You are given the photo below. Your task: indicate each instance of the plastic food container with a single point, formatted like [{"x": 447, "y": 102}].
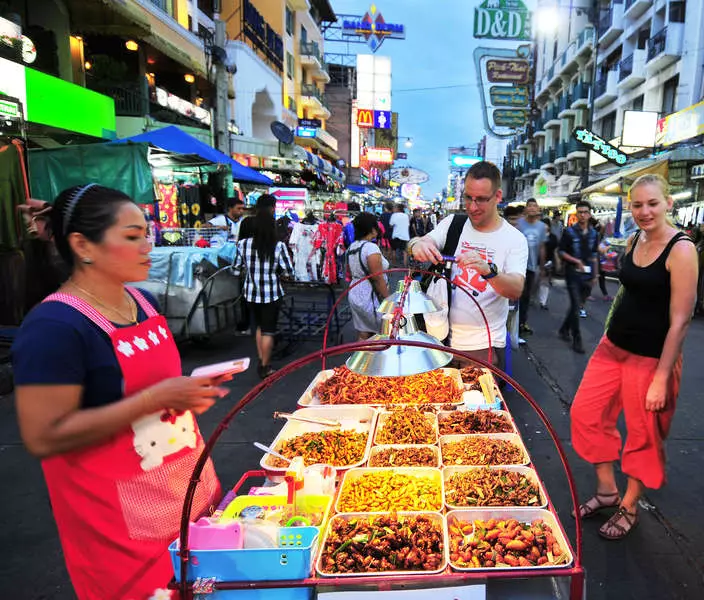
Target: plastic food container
[
  {"x": 434, "y": 475},
  {"x": 309, "y": 398},
  {"x": 364, "y": 415},
  {"x": 378, "y": 450},
  {"x": 506, "y": 414},
  {"x": 511, "y": 437},
  {"x": 436, "y": 517},
  {"x": 530, "y": 473},
  {"x": 524, "y": 515},
  {"x": 315, "y": 508},
  {"x": 384, "y": 417}
]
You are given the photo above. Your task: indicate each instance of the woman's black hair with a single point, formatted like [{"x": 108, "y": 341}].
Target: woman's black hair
[
  {"x": 364, "y": 223},
  {"x": 264, "y": 234},
  {"x": 86, "y": 209}
]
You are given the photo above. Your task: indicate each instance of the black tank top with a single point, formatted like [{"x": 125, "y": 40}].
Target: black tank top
[{"x": 642, "y": 319}]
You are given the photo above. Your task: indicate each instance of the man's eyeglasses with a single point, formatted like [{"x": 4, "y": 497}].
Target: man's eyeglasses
[
  {"x": 478, "y": 200},
  {"x": 583, "y": 212}
]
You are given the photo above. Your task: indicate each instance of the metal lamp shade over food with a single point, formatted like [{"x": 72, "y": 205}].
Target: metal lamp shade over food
[
  {"x": 417, "y": 302},
  {"x": 399, "y": 361}
]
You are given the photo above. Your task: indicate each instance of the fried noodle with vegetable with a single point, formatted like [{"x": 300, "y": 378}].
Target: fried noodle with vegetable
[
  {"x": 480, "y": 451},
  {"x": 346, "y": 387},
  {"x": 407, "y": 425},
  {"x": 491, "y": 487},
  {"x": 405, "y": 457},
  {"x": 385, "y": 543},
  {"x": 504, "y": 544},
  {"x": 336, "y": 448}
]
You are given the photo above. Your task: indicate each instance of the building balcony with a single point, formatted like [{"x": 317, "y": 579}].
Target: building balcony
[
  {"x": 664, "y": 48},
  {"x": 314, "y": 100},
  {"x": 564, "y": 108},
  {"x": 312, "y": 60},
  {"x": 551, "y": 117},
  {"x": 580, "y": 95},
  {"x": 575, "y": 150},
  {"x": 611, "y": 24},
  {"x": 606, "y": 89},
  {"x": 161, "y": 4},
  {"x": 548, "y": 158},
  {"x": 535, "y": 165},
  {"x": 561, "y": 153},
  {"x": 585, "y": 41},
  {"x": 631, "y": 70},
  {"x": 635, "y": 8},
  {"x": 538, "y": 126}
]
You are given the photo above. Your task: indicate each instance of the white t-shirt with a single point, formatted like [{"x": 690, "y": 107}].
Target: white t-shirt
[
  {"x": 400, "y": 223},
  {"x": 507, "y": 248},
  {"x": 223, "y": 221}
]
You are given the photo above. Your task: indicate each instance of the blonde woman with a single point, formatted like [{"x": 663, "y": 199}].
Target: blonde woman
[{"x": 636, "y": 367}]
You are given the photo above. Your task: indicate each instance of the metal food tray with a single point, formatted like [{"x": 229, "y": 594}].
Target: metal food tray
[
  {"x": 511, "y": 437},
  {"x": 384, "y": 416},
  {"x": 365, "y": 415},
  {"x": 505, "y": 413},
  {"x": 527, "y": 471},
  {"x": 523, "y": 515},
  {"x": 358, "y": 473},
  {"x": 435, "y": 516},
  {"x": 379, "y": 449},
  {"x": 310, "y": 399}
]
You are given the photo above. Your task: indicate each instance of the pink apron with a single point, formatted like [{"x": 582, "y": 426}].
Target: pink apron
[{"x": 118, "y": 505}]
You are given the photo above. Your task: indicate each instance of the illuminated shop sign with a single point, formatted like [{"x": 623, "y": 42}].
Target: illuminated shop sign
[
  {"x": 373, "y": 28},
  {"x": 380, "y": 155},
  {"x": 365, "y": 118},
  {"x": 306, "y": 132},
  {"x": 182, "y": 107},
  {"x": 599, "y": 145}
]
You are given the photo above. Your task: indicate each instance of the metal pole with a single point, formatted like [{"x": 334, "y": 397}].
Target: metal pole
[
  {"x": 222, "y": 136},
  {"x": 594, "y": 18}
]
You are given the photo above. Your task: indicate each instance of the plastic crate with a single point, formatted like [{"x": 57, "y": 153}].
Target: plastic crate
[{"x": 293, "y": 559}]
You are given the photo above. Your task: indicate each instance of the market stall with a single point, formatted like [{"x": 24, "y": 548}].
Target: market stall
[{"x": 395, "y": 471}]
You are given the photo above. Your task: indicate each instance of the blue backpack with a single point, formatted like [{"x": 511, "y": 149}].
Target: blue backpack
[{"x": 348, "y": 234}]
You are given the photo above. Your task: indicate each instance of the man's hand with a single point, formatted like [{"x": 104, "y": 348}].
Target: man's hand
[
  {"x": 426, "y": 251},
  {"x": 579, "y": 265},
  {"x": 475, "y": 261}
]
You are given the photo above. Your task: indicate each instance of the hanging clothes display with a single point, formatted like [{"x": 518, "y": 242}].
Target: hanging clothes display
[
  {"x": 306, "y": 257},
  {"x": 167, "y": 197},
  {"x": 13, "y": 192},
  {"x": 329, "y": 238},
  {"x": 189, "y": 206}
]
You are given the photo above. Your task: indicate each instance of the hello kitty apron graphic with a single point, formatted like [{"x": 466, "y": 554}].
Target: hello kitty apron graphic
[
  {"x": 466, "y": 276},
  {"x": 131, "y": 487}
]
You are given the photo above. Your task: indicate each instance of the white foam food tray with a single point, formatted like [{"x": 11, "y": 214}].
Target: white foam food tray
[
  {"x": 523, "y": 515},
  {"x": 309, "y": 398},
  {"x": 384, "y": 417},
  {"x": 377, "y": 450},
  {"x": 435, "y": 475},
  {"x": 436, "y": 517},
  {"x": 514, "y": 438},
  {"x": 530, "y": 473},
  {"x": 504, "y": 413},
  {"x": 360, "y": 418}
]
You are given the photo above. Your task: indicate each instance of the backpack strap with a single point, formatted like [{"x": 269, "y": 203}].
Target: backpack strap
[{"x": 453, "y": 234}]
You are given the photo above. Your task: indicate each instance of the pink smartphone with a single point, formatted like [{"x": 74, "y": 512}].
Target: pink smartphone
[{"x": 229, "y": 367}]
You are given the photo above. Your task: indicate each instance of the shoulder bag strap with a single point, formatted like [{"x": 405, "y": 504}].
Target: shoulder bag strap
[{"x": 450, "y": 247}]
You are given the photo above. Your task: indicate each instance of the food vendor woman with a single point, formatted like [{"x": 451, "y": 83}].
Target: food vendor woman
[{"x": 101, "y": 400}]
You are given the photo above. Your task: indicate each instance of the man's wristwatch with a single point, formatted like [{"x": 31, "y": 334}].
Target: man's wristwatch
[{"x": 493, "y": 271}]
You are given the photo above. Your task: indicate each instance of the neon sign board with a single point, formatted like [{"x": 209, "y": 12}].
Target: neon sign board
[
  {"x": 380, "y": 155},
  {"x": 373, "y": 28},
  {"x": 599, "y": 145}
]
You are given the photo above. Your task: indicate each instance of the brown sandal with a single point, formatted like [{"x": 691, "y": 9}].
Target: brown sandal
[
  {"x": 617, "y": 522},
  {"x": 594, "y": 505}
]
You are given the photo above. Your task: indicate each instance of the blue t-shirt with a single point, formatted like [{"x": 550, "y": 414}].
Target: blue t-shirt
[{"x": 57, "y": 345}]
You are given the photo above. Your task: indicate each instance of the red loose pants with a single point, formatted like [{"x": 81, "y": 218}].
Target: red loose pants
[{"x": 617, "y": 380}]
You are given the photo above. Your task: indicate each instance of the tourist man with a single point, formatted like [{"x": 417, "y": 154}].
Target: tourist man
[{"x": 536, "y": 234}]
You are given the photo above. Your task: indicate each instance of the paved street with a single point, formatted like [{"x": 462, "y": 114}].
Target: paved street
[{"x": 662, "y": 559}]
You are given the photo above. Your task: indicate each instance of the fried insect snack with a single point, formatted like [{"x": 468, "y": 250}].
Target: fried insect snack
[
  {"x": 491, "y": 487},
  {"x": 407, "y": 425},
  {"x": 504, "y": 543},
  {"x": 480, "y": 451},
  {"x": 336, "y": 448},
  {"x": 474, "y": 421},
  {"x": 384, "y": 491},
  {"x": 346, "y": 387},
  {"x": 405, "y": 457},
  {"x": 470, "y": 377},
  {"x": 383, "y": 543}
]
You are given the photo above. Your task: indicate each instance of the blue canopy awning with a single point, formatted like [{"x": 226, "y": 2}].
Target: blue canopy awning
[{"x": 178, "y": 141}]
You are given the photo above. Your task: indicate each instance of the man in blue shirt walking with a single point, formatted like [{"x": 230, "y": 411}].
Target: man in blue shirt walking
[{"x": 578, "y": 249}]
